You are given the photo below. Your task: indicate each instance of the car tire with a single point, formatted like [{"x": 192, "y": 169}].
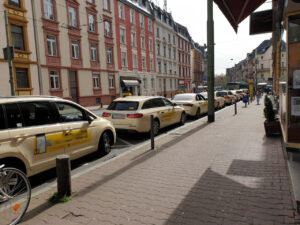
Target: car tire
[
  {"x": 182, "y": 118},
  {"x": 105, "y": 143},
  {"x": 198, "y": 113}
]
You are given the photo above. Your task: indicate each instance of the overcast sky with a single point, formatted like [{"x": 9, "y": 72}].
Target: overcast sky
[{"x": 229, "y": 45}]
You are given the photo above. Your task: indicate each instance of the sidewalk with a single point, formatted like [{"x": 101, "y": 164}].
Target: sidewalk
[{"x": 226, "y": 172}]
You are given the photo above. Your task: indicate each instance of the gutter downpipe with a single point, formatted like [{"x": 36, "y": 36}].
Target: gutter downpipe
[{"x": 37, "y": 49}]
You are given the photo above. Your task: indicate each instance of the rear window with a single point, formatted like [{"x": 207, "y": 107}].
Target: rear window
[
  {"x": 123, "y": 106},
  {"x": 2, "y": 123},
  {"x": 183, "y": 97},
  {"x": 221, "y": 94}
]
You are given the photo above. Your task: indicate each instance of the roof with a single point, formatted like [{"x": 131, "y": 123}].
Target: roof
[
  {"x": 10, "y": 99},
  {"x": 183, "y": 31},
  {"x": 136, "y": 98},
  {"x": 264, "y": 46}
]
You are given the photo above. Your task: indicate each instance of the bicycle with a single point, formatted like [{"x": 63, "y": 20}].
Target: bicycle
[{"x": 15, "y": 194}]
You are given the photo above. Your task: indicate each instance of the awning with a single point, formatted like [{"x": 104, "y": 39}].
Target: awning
[
  {"x": 130, "y": 83},
  {"x": 237, "y": 10}
]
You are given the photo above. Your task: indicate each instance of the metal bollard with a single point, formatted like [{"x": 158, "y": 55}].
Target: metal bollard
[
  {"x": 152, "y": 131},
  {"x": 235, "y": 109},
  {"x": 63, "y": 173}
]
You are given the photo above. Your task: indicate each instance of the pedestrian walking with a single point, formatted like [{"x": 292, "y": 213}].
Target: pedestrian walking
[{"x": 258, "y": 95}]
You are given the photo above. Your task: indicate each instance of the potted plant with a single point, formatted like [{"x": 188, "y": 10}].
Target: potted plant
[{"x": 272, "y": 125}]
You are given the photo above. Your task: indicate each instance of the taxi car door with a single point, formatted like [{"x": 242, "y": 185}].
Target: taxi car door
[
  {"x": 78, "y": 136},
  {"x": 4, "y": 134},
  {"x": 160, "y": 109},
  {"x": 28, "y": 127},
  {"x": 171, "y": 115},
  {"x": 204, "y": 104}
]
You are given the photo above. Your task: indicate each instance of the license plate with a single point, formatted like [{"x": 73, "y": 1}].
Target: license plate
[{"x": 118, "y": 116}]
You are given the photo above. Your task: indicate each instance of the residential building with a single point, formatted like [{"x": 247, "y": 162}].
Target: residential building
[
  {"x": 166, "y": 52},
  {"x": 184, "y": 58},
  {"x": 197, "y": 65},
  {"x": 135, "y": 46},
  {"x": 263, "y": 62},
  {"x": 21, "y": 35},
  {"x": 71, "y": 35}
]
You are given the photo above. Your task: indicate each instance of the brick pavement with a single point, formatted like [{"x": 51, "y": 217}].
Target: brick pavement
[{"x": 226, "y": 172}]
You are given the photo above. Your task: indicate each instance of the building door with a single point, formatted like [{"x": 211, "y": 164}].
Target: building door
[{"x": 73, "y": 86}]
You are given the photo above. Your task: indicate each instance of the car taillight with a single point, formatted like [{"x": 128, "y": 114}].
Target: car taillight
[
  {"x": 226, "y": 96},
  {"x": 135, "y": 115},
  {"x": 189, "y": 105},
  {"x": 106, "y": 114}
]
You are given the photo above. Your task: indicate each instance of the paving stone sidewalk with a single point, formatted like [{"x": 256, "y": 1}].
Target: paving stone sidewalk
[{"x": 226, "y": 172}]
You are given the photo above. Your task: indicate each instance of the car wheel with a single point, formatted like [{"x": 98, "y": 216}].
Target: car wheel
[
  {"x": 105, "y": 143},
  {"x": 198, "y": 113},
  {"x": 182, "y": 118},
  {"x": 156, "y": 127}
]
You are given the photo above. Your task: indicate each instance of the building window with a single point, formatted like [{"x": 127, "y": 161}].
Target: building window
[
  {"x": 170, "y": 53},
  {"x": 132, "y": 16},
  {"x": 134, "y": 61},
  {"x": 94, "y": 52},
  {"x": 160, "y": 83},
  {"x": 109, "y": 55},
  {"x": 72, "y": 17},
  {"x": 150, "y": 44},
  {"x": 107, "y": 28},
  {"x": 92, "y": 23},
  {"x": 157, "y": 32},
  {"x": 133, "y": 39},
  {"x": 22, "y": 78},
  {"x": 142, "y": 42},
  {"x": 151, "y": 64},
  {"x": 111, "y": 81},
  {"x": 152, "y": 83},
  {"x": 141, "y": 20},
  {"x": 262, "y": 66},
  {"x": 165, "y": 67},
  {"x": 51, "y": 43},
  {"x": 165, "y": 51},
  {"x": 159, "y": 67},
  {"x": 149, "y": 25},
  {"x": 171, "y": 84},
  {"x": 15, "y": 3},
  {"x": 158, "y": 49},
  {"x": 48, "y": 9},
  {"x": 169, "y": 38},
  {"x": 96, "y": 80},
  {"x": 54, "y": 80},
  {"x": 106, "y": 5},
  {"x": 122, "y": 35},
  {"x": 17, "y": 37},
  {"x": 143, "y": 62},
  {"x": 124, "y": 59},
  {"x": 174, "y": 53},
  {"x": 174, "y": 41},
  {"x": 75, "y": 49},
  {"x": 121, "y": 11},
  {"x": 145, "y": 83}
]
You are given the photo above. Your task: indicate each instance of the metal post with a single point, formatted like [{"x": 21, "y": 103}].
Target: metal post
[
  {"x": 210, "y": 63},
  {"x": 235, "y": 108},
  {"x": 63, "y": 173},
  {"x": 9, "y": 56},
  {"x": 152, "y": 131}
]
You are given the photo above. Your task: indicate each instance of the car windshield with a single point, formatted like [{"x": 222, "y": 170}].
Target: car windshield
[
  {"x": 183, "y": 97},
  {"x": 221, "y": 94},
  {"x": 123, "y": 106}
]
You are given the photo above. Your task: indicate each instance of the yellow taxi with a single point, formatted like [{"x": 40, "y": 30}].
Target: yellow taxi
[
  {"x": 219, "y": 101},
  {"x": 193, "y": 104},
  {"x": 229, "y": 98},
  {"x": 34, "y": 130},
  {"x": 133, "y": 113}
]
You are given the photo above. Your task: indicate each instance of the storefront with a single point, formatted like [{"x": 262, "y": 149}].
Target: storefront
[
  {"x": 130, "y": 86},
  {"x": 290, "y": 81}
]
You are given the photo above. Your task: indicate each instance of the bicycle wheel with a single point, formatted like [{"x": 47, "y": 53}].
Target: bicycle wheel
[{"x": 15, "y": 193}]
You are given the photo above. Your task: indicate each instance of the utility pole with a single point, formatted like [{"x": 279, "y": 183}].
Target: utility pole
[
  {"x": 210, "y": 64},
  {"x": 9, "y": 56}
]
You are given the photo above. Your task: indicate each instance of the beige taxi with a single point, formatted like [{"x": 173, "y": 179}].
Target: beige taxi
[
  {"x": 133, "y": 113},
  {"x": 193, "y": 104},
  {"x": 219, "y": 101},
  {"x": 229, "y": 98},
  {"x": 34, "y": 130}
]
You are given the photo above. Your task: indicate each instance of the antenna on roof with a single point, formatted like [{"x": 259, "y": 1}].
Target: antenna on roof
[{"x": 165, "y": 5}]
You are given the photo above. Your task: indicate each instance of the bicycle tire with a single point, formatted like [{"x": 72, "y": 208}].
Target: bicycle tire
[{"x": 16, "y": 193}]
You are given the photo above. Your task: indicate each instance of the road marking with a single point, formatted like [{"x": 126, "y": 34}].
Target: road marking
[{"x": 126, "y": 142}]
